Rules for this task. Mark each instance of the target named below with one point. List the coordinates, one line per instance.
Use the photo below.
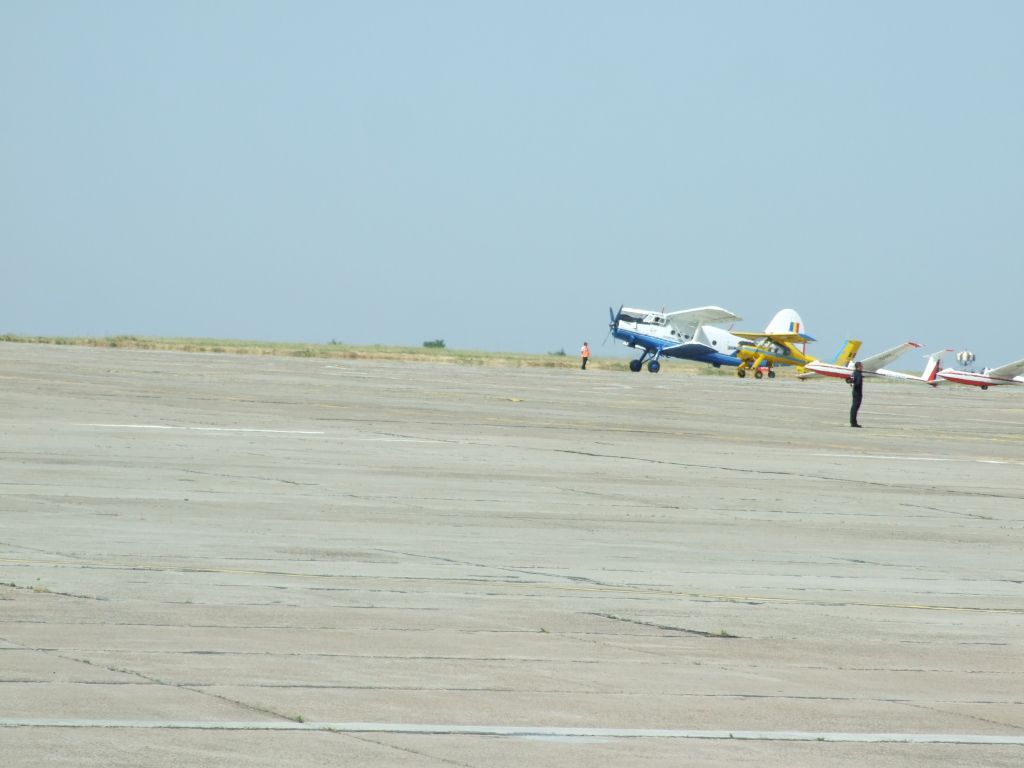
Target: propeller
(613, 324)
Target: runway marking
(398, 440)
(915, 458)
(427, 729)
(206, 429)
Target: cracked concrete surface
(223, 560)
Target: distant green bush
(435, 344)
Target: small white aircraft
(686, 334)
(1011, 373)
(873, 366)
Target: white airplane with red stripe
(873, 366)
(1011, 373)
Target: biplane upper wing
(687, 318)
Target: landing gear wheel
(741, 373)
(758, 375)
(654, 366)
(771, 374)
(635, 365)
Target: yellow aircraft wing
(789, 338)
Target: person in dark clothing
(857, 382)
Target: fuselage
(776, 352)
(977, 379)
(651, 332)
(843, 372)
(836, 371)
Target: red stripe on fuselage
(837, 373)
(981, 381)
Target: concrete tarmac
(220, 560)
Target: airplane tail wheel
(771, 374)
(634, 365)
(654, 366)
(741, 373)
(758, 374)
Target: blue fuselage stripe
(666, 348)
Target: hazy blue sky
(497, 174)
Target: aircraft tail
(847, 352)
(785, 321)
(932, 366)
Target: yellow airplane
(783, 343)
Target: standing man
(585, 354)
(857, 382)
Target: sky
(497, 174)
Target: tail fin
(785, 321)
(931, 368)
(847, 352)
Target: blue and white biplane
(687, 334)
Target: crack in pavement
(781, 473)
(224, 475)
(147, 679)
(986, 720)
(701, 633)
(406, 750)
(967, 515)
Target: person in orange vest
(585, 354)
